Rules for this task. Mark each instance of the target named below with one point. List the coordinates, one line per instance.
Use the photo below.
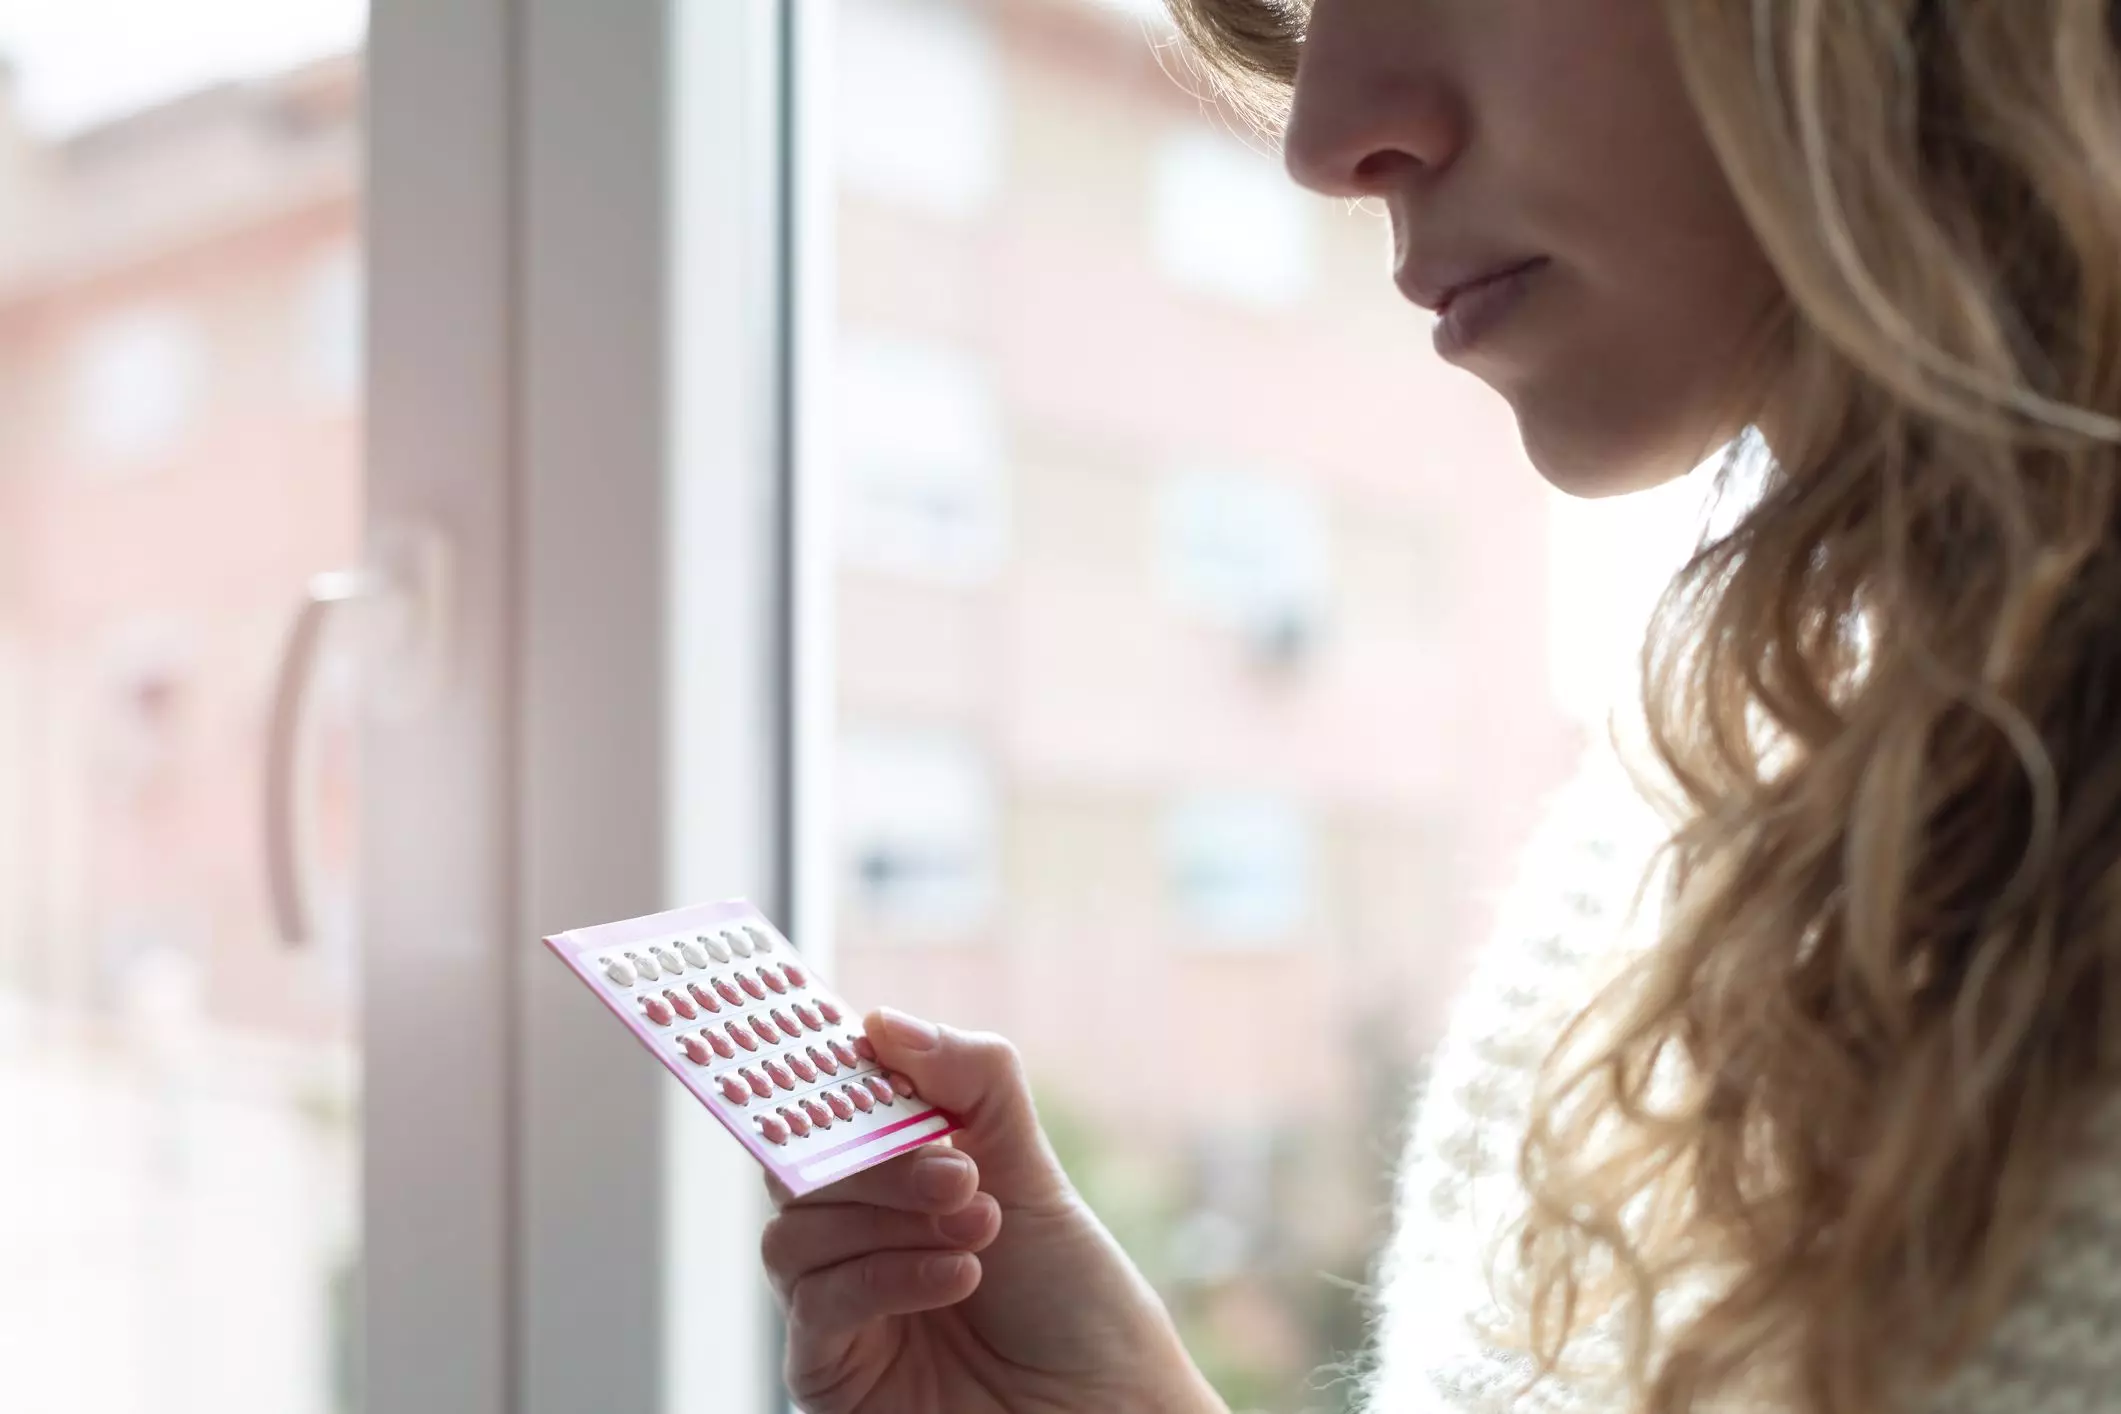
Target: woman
(1838, 1139)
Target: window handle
(398, 606)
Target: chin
(1594, 463)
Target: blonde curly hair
(1836, 1097)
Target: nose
(1373, 104)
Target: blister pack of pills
(718, 995)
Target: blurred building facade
(179, 354)
(179, 451)
(1199, 613)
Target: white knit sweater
(2057, 1351)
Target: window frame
(578, 358)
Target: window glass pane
(328, 326)
(923, 491)
(1249, 552)
(1225, 221)
(917, 816)
(1240, 870)
(922, 116)
(137, 378)
(1192, 619)
(179, 313)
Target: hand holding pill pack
(718, 995)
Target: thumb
(978, 1078)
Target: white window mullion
(726, 597)
(439, 920)
(575, 326)
(594, 306)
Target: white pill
(714, 948)
(646, 965)
(694, 954)
(740, 944)
(764, 941)
(619, 970)
(669, 960)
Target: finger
(835, 1301)
(932, 1179)
(979, 1078)
(807, 1239)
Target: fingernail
(964, 1225)
(938, 1177)
(910, 1032)
(945, 1270)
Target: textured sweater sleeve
(1562, 920)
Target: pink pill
(796, 1122)
(765, 1029)
(684, 1005)
(658, 1010)
(779, 1074)
(819, 1115)
(752, 985)
(733, 1090)
(808, 1017)
(881, 1088)
(824, 1062)
(760, 1085)
(831, 1013)
(773, 980)
(845, 1054)
(696, 1050)
(794, 975)
(720, 1043)
(729, 993)
(743, 1038)
(804, 1070)
(704, 997)
(773, 1130)
(839, 1104)
(860, 1095)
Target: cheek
(1635, 373)
(1649, 376)
(1668, 300)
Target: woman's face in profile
(1554, 199)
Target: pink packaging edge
(573, 945)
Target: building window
(921, 105)
(1248, 551)
(149, 670)
(924, 490)
(1226, 221)
(1235, 1212)
(918, 826)
(330, 327)
(136, 384)
(1240, 868)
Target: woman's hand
(968, 1279)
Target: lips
(1436, 287)
(1470, 301)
